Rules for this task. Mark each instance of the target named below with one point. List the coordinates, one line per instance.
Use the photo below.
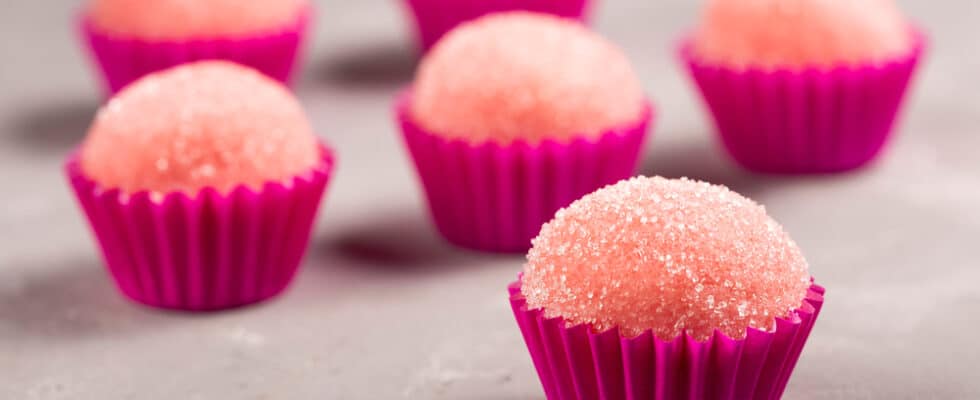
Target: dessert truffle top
(525, 76)
(207, 124)
(801, 33)
(187, 19)
(665, 255)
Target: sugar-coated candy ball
(668, 255)
(192, 19)
(207, 124)
(525, 76)
(801, 33)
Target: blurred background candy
(201, 184)
(514, 115)
(433, 18)
(130, 38)
(803, 86)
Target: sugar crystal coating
(525, 76)
(665, 255)
(184, 19)
(207, 124)
(800, 33)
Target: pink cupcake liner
(575, 363)
(495, 197)
(433, 18)
(810, 121)
(123, 60)
(207, 252)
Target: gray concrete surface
(383, 309)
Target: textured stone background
(383, 309)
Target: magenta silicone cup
(495, 197)
(433, 18)
(123, 59)
(207, 252)
(807, 121)
(575, 363)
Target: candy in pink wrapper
(809, 121)
(123, 57)
(201, 184)
(503, 136)
(433, 18)
(654, 288)
(821, 99)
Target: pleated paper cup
(208, 251)
(495, 197)
(575, 363)
(804, 121)
(122, 60)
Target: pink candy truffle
(801, 33)
(666, 255)
(525, 76)
(186, 19)
(208, 124)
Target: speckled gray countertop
(383, 309)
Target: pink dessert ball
(801, 33)
(206, 124)
(185, 19)
(525, 76)
(667, 255)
